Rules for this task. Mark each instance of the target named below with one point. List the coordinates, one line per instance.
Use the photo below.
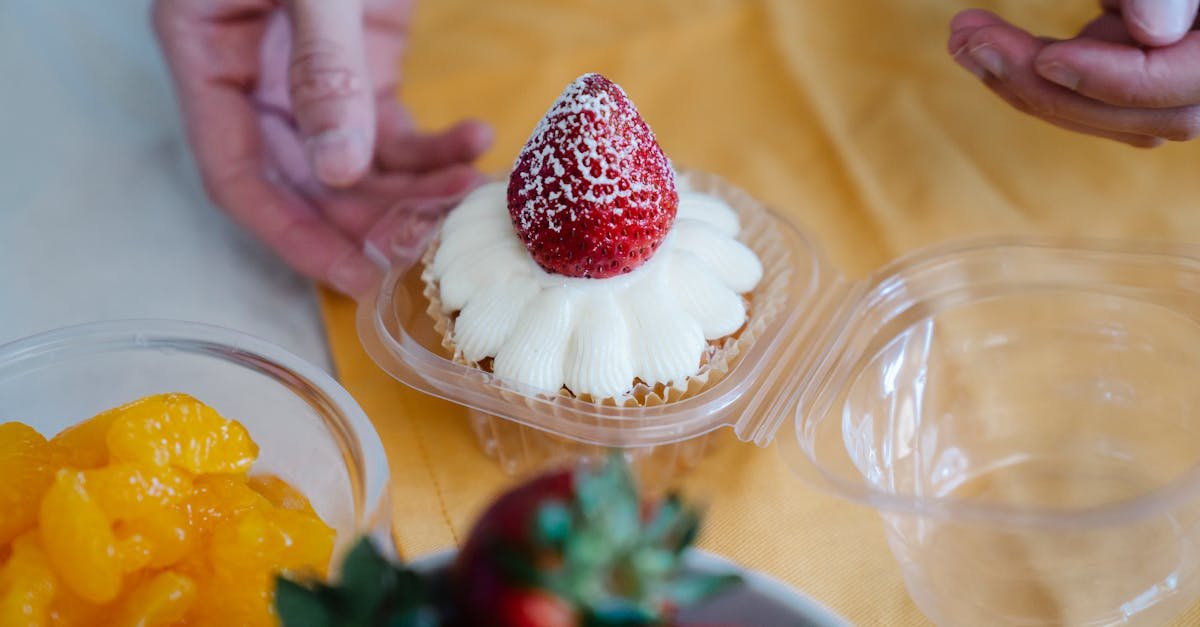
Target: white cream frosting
(594, 336)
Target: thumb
(329, 88)
(1158, 22)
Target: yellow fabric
(847, 116)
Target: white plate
(762, 602)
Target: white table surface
(102, 215)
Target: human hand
(290, 111)
(1132, 74)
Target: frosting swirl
(593, 336)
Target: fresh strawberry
(568, 549)
(587, 539)
(592, 194)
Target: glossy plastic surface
(309, 431)
(398, 334)
(1026, 416)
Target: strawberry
(585, 538)
(566, 549)
(592, 194)
(535, 609)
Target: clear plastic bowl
(529, 431)
(309, 430)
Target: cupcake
(595, 271)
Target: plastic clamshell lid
(754, 398)
(970, 380)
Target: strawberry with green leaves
(563, 550)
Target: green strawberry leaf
(653, 563)
(553, 524)
(665, 519)
(687, 528)
(300, 606)
(367, 580)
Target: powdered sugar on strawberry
(592, 194)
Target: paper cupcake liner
(762, 305)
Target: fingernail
(339, 156)
(969, 64)
(958, 41)
(1164, 20)
(989, 58)
(1061, 74)
(353, 275)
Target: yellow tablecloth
(848, 116)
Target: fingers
(1004, 56)
(1158, 22)
(1108, 27)
(223, 131)
(357, 210)
(227, 145)
(962, 26)
(354, 210)
(236, 179)
(299, 235)
(421, 152)
(452, 181)
(330, 89)
(1126, 75)
(402, 148)
(1138, 141)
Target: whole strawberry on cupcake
(594, 270)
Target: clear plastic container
(309, 431)
(527, 431)
(1024, 413)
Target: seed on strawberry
(592, 194)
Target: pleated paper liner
(522, 450)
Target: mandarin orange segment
(217, 498)
(256, 546)
(270, 540)
(280, 493)
(307, 542)
(126, 491)
(27, 585)
(68, 610)
(245, 600)
(144, 516)
(178, 430)
(162, 600)
(25, 474)
(161, 539)
(78, 539)
(133, 551)
(85, 445)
